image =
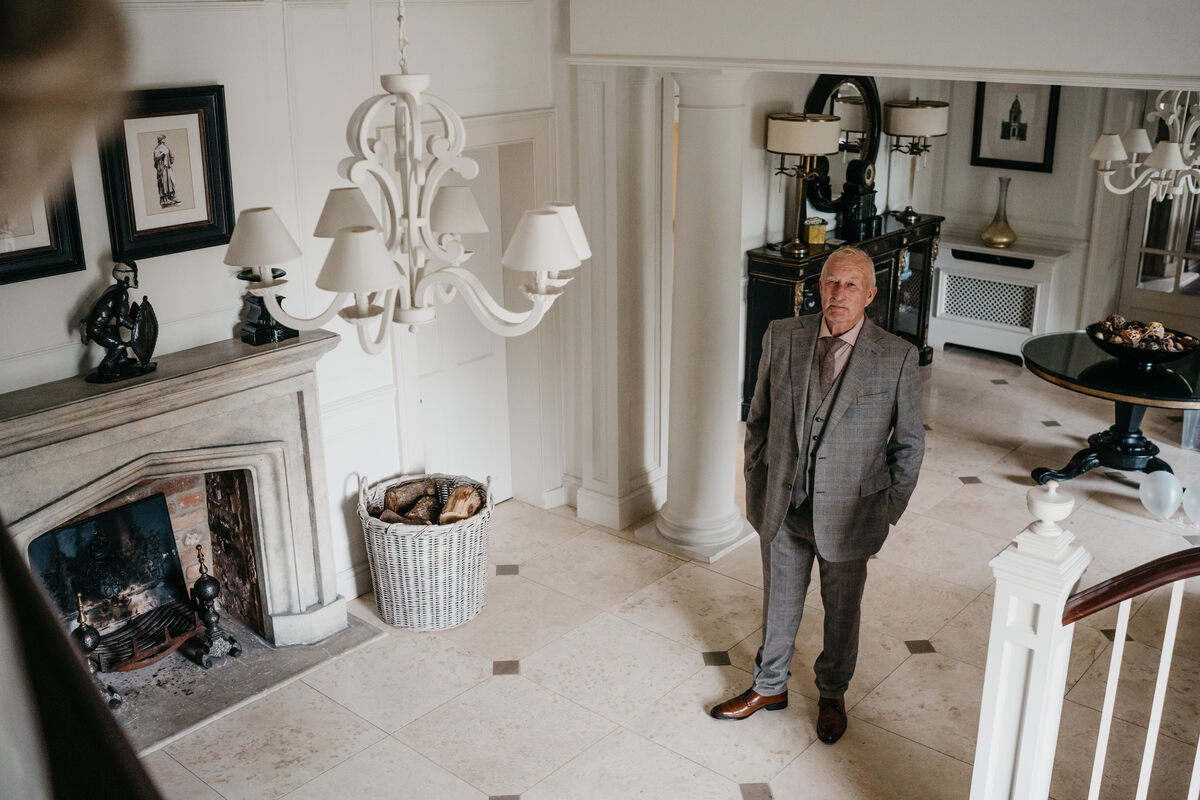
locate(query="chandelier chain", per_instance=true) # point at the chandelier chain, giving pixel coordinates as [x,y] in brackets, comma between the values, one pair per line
[402,40]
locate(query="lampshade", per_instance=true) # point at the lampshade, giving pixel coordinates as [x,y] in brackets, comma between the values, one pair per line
[540,243]
[344,207]
[259,239]
[803,134]
[853,112]
[916,118]
[1108,148]
[454,210]
[358,261]
[1166,155]
[1136,141]
[570,219]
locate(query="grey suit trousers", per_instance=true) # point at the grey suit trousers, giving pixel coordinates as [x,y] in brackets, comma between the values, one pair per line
[789,556]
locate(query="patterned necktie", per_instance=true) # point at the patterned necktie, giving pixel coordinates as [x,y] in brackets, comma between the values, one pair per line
[830,346]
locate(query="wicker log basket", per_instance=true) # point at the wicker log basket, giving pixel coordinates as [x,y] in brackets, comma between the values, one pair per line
[427,577]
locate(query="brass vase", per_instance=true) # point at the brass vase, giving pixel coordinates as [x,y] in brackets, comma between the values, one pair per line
[999,233]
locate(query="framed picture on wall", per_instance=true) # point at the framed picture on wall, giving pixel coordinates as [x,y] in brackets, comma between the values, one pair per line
[166,174]
[1014,126]
[42,238]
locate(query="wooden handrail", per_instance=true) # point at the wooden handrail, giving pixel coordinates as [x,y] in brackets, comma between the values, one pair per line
[1151,575]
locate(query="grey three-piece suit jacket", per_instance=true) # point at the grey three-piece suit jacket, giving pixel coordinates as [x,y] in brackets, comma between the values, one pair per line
[865,465]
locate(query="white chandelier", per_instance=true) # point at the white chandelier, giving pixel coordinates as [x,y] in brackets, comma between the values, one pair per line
[398,271]
[1173,164]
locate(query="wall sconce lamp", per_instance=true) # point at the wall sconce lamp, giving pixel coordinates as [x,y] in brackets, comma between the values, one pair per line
[915,121]
[807,136]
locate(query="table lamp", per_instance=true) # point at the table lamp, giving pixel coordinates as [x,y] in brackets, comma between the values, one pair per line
[259,240]
[916,121]
[807,136]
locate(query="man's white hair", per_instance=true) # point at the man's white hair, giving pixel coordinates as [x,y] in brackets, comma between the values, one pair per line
[856,255]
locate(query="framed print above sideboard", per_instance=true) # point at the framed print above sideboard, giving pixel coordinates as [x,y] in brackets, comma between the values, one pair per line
[166,174]
[1014,126]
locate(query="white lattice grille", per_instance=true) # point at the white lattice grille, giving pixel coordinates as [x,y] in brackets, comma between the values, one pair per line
[990,301]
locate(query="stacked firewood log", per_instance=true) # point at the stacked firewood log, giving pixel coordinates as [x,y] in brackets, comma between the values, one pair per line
[416,503]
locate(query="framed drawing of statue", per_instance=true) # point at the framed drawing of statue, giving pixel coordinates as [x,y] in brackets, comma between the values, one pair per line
[166,174]
[1014,126]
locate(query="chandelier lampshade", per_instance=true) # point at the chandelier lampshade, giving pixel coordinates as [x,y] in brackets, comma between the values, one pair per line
[1166,156]
[540,243]
[344,207]
[1137,141]
[1109,148]
[455,211]
[570,219]
[359,263]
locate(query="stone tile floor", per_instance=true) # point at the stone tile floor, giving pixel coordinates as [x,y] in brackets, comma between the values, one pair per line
[590,671]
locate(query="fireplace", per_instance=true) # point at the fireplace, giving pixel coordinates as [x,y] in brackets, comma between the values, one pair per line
[238,420]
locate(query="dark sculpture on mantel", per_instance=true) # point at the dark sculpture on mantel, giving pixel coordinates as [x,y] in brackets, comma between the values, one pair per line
[119,326]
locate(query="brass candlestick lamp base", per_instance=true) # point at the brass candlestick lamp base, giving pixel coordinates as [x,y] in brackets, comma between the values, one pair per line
[802,172]
[795,248]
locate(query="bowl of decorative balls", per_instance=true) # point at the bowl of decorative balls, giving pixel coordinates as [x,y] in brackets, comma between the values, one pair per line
[1142,343]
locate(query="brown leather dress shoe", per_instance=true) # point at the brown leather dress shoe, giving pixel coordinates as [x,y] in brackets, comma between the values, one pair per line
[831,719]
[747,703]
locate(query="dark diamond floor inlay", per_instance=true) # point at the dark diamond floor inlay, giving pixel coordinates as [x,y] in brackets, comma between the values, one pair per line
[508,569]
[504,797]
[756,791]
[1111,634]
[1194,541]
[969,479]
[1000,382]
[918,646]
[716,658]
[1049,423]
[927,427]
[506,667]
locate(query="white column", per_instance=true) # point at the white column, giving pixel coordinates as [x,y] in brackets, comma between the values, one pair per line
[1028,653]
[700,518]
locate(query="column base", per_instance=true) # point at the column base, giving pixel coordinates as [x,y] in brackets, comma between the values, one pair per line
[708,553]
[309,626]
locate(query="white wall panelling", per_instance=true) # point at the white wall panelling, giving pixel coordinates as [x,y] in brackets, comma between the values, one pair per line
[622,338]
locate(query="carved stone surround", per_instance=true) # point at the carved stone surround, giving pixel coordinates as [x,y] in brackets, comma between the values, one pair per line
[68,445]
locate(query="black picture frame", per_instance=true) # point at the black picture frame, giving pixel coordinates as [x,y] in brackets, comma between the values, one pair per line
[64,251]
[1026,144]
[200,214]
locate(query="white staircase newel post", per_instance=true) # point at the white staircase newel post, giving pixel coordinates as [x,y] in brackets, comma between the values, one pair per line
[1028,653]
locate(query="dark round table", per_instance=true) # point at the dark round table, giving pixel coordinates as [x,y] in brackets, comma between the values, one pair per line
[1072,361]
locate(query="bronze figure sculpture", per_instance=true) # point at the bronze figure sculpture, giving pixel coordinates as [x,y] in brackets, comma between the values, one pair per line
[118,325]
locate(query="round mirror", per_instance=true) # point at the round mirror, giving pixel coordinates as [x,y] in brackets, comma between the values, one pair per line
[856,100]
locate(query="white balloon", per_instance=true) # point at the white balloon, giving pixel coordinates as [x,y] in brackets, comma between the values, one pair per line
[1191,502]
[1161,493]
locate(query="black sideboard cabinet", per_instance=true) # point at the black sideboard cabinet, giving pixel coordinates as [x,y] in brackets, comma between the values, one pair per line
[781,286]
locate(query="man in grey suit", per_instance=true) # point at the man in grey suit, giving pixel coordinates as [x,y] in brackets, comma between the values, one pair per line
[834,442]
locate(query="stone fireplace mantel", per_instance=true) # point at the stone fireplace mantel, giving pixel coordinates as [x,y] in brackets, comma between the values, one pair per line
[68,445]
